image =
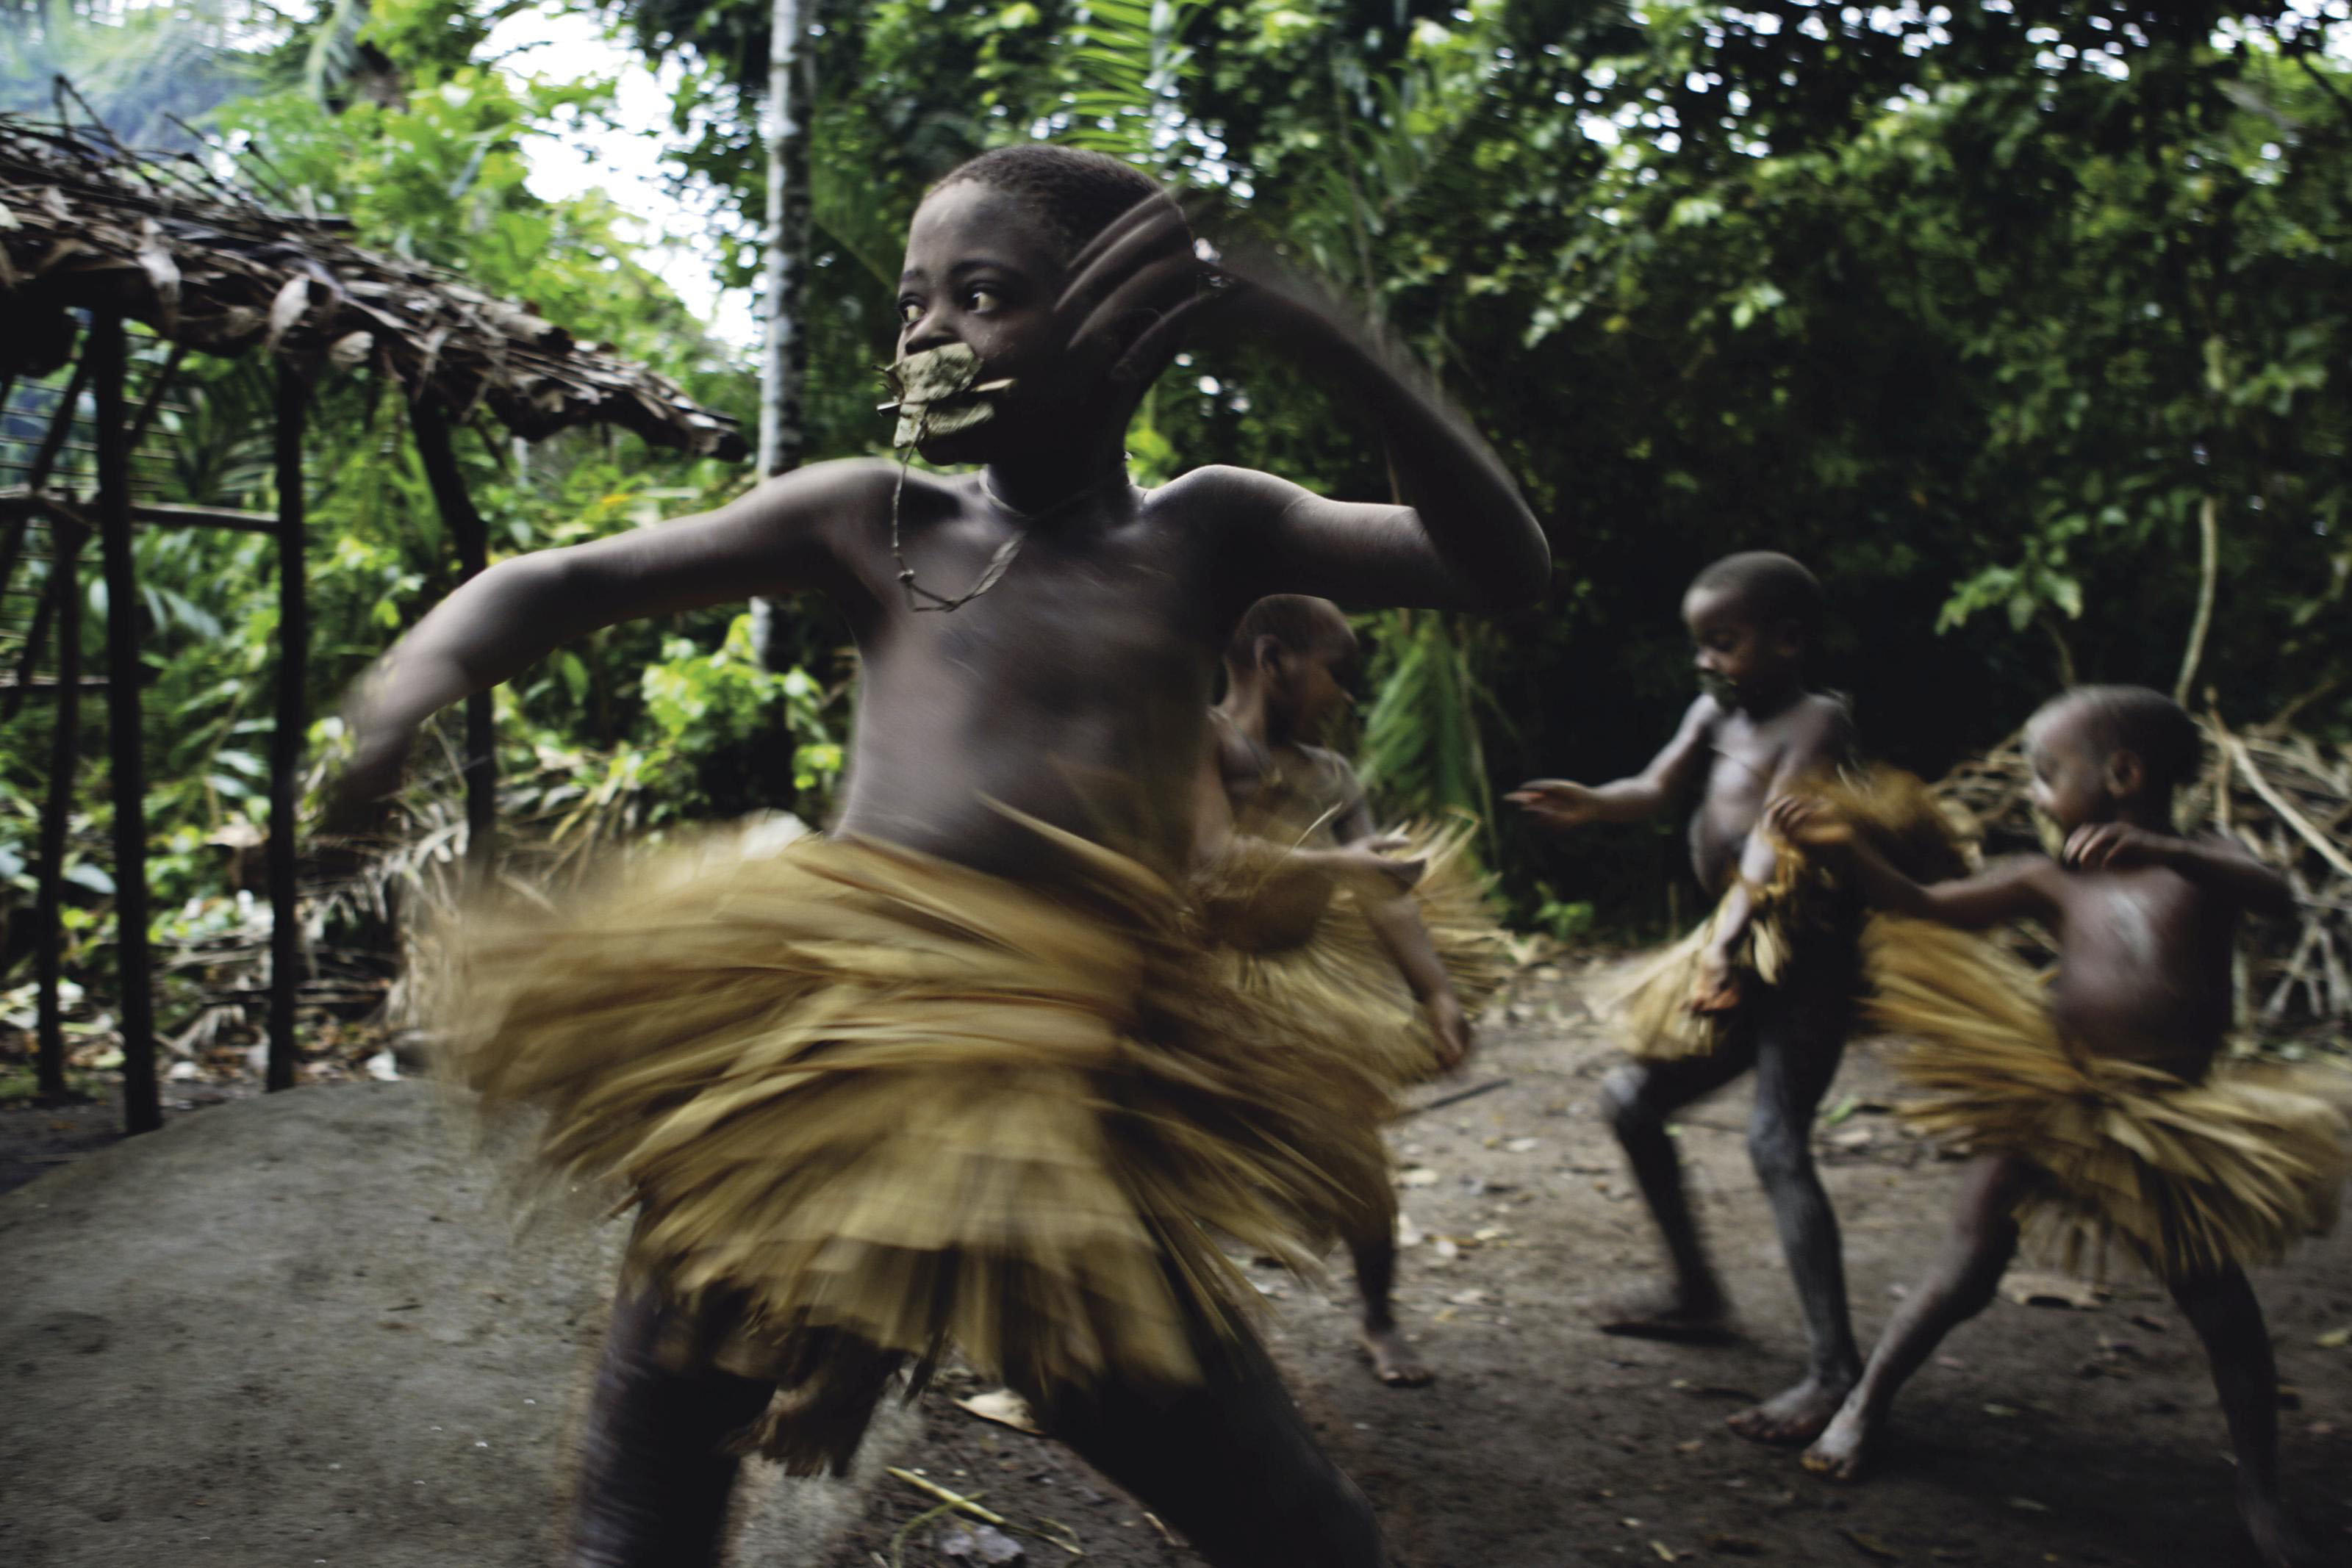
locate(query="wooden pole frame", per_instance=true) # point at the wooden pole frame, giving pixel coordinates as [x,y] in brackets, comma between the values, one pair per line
[57,811]
[142,1110]
[286,739]
[465,528]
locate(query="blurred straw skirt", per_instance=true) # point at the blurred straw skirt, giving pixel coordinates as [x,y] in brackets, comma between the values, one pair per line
[873,1105]
[1802,927]
[2189,1165]
[1343,977]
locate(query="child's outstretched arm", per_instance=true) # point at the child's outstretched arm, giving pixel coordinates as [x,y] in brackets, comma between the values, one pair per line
[1669,778]
[774,541]
[2215,863]
[2021,889]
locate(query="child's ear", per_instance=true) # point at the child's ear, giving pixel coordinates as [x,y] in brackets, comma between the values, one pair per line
[1266,652]
[1792,637]
[2126,774]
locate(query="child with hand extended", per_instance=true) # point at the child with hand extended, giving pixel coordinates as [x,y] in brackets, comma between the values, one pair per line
[2093,1106]
[1312,901]
[958,1074]
[1766,982]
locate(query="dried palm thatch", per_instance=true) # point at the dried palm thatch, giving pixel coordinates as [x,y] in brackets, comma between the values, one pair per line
[88,223]
[2286,797]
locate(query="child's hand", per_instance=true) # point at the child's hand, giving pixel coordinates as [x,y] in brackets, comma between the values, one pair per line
[1557,802]
[1133,291]
[1449,1028]
[1371,864]
[2111,846]
[1806,822]
[1718,989]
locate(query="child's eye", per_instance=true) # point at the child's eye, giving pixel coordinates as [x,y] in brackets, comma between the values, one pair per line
[982,299]
[909,312]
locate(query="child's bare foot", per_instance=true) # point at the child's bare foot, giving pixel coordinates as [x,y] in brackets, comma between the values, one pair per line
[1794,1415]
[2277,1542]
[1393,1362]
[1686,1317]
[1842,1451]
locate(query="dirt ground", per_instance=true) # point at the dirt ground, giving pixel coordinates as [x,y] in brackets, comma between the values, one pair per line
[2044,1433]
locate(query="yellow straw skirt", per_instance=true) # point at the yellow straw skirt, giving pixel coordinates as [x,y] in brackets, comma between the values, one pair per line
[2192,1167]
[1342,976]
[1802,927]
[873,1105]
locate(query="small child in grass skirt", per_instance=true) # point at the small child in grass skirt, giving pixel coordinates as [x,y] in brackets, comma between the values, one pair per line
[2185,1163]
[2094,1107]
[1765,985]
[1310,905]
[875,1105]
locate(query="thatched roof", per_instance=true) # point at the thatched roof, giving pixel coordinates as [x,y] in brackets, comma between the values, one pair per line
[86,222]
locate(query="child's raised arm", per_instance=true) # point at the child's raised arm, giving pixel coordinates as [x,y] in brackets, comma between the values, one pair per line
[1463,536]
[776,539]
[1669,779]
[2214,864]
[2019,889]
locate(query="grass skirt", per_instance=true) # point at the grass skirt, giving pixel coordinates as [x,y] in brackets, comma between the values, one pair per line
[873,1105]
[1343,977]
[1802,927]
[2191,1166]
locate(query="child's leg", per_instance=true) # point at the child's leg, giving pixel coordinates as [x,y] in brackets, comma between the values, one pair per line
[1230,1463]
[1959,1285]
[1640,1097]
[1799,1040]
[2222,1308]
[654,1480]
[1375,1254]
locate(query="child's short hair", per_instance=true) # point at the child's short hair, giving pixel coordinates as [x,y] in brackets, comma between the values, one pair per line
[2143,721]
[1296,621]
[1076,193]
[1777,586]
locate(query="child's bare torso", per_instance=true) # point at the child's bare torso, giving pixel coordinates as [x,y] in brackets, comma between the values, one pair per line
[1745,754]
[1073,691]
[1296,796]
[2143,964]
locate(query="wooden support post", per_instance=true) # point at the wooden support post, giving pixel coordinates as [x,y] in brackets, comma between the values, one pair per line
[60,582]
[142,1111]
[155,390]
[285,742]
[60,420]
[465,528]
[57,812]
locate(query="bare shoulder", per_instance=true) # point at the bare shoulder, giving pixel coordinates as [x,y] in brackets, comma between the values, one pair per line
[1702,718]
[1336,778]
[1223,492]
[1820,731]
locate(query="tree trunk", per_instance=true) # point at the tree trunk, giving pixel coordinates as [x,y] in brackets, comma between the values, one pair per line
[472,538]
[285,740]
[784,363]
[142,1110]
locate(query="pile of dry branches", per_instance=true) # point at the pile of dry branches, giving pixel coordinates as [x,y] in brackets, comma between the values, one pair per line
[2284,797]
[86,221]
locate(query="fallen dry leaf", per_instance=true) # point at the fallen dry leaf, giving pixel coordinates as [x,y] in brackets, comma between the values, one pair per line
[1005,1408]
[1871,1545]
[2030,1290]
